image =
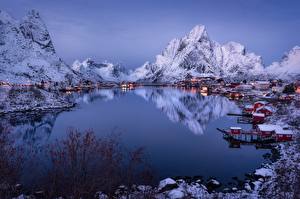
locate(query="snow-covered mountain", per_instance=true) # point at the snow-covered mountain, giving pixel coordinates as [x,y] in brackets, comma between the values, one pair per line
[90,70]
[193,110]
[27,53]
[196,54]
[288,67]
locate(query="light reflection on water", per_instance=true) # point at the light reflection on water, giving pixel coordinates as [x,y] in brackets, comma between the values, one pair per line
[177,128]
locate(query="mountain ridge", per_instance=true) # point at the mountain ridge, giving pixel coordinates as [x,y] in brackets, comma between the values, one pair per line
[28,55]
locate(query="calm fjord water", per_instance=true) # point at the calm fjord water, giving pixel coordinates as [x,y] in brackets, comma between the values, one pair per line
[177,129]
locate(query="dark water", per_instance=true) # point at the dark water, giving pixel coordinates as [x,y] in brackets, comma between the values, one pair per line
[177,129]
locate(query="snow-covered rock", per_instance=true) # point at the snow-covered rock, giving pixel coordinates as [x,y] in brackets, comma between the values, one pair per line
[247,187]
[288,67]
[264,172]
[196,54]
[176,194]
[27,53]
[90,70]
[166,182]
[214,182]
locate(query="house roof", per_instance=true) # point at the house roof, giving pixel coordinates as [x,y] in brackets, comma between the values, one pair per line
[262,82]
[249,106]
[235,128]
[261,102]
[271,127]
[269,108]
[259,114]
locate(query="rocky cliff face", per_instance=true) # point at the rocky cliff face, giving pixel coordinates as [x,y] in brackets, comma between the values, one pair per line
[90,70]
[196,54]
[27,53]
[288,67]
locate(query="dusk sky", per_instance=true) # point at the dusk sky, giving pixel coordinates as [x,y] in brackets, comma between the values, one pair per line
[134,31]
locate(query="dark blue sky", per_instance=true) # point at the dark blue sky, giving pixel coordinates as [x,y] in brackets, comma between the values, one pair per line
[134,31]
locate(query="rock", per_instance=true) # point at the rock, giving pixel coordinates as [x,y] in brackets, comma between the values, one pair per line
[247,187]
[167,184]
[226,190]
[143,188]
[234,189]
[213,183]
[256,185]
[264,172]
[101,195]
[176,194]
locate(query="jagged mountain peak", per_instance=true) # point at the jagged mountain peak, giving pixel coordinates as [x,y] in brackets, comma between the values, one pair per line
[33,14]
[196,54]
[27,52]
[196,34]
[5,17]
[105,71]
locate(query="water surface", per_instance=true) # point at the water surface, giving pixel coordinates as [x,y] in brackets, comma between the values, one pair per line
[177,129]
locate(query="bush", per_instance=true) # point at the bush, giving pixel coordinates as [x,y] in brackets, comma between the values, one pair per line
[10,164]
[83,164]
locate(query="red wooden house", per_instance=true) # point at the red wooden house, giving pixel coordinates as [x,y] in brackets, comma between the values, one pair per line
[235,130]
[275,131]
[249,109]
[266,110]
[259,104]
[258,118]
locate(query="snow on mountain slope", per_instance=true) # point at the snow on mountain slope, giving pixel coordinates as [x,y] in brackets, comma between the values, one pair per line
[27,53]
[237,63]
[90,70]
[288,67]
[196,54]
[192,110]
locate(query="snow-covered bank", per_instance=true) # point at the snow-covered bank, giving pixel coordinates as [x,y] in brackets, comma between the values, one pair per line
[18,99]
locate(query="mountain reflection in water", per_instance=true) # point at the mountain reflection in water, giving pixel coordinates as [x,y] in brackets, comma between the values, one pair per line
[189,108]
[159,119]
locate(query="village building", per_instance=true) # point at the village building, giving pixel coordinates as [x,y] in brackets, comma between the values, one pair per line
[258,118]
[235,95]
[233,85]
[266,110]
[244,87]
[285,97]
[249,109]
[297,87]
[259,104]
[277,89]
[262,85]
[275,131]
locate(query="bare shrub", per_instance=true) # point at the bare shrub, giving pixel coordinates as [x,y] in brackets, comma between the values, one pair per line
[10,164]
[83,164]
